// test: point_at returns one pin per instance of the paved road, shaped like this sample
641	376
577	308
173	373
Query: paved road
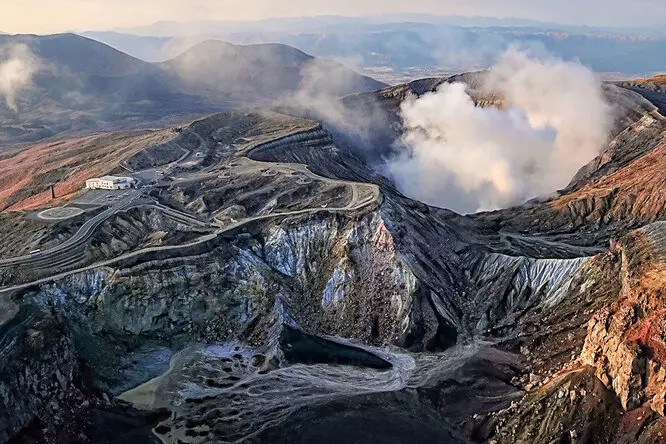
79	237
66	253
178	215
72	252
359	205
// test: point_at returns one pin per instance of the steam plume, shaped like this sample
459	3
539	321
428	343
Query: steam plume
16	72
554	119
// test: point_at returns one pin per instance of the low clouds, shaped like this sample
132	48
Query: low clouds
467	158
61	15
16	72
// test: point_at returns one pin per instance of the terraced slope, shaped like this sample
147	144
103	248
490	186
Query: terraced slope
539	323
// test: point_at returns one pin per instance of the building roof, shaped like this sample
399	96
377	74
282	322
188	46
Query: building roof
112	178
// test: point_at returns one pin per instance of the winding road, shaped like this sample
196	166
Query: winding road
352	207
82	235
69	253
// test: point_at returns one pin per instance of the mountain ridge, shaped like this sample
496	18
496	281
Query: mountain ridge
84	85
270	260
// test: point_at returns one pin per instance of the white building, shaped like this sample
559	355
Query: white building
110	183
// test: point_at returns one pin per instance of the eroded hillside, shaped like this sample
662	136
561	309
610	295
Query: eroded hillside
27	176
269	278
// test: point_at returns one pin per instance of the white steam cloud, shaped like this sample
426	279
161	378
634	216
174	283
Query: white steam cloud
554	119
16	72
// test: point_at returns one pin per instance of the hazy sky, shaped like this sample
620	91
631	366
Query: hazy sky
44	16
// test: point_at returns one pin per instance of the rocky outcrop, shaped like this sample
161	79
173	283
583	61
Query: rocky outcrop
518	284
38	369
626	341
327	274
343	275
212	295
247	332
574	408
616	365
351	279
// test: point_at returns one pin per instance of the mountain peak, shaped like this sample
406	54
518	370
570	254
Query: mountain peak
263	71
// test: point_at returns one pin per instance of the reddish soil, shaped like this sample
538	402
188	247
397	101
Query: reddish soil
659	80
635	191
26	176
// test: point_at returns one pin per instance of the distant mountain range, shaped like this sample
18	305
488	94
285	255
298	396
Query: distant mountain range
83	85
417	44
336	23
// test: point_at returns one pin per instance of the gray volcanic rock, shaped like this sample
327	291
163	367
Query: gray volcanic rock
308	268
539	323
38	370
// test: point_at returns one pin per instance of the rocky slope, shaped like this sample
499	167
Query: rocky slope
540	323
652	89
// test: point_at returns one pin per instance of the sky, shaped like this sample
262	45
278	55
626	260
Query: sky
47	16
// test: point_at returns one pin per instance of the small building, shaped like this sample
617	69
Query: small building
110	183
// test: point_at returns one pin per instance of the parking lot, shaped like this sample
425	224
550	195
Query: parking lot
146	177
103	197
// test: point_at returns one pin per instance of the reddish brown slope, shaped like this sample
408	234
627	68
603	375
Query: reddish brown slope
25	177
659	80
636	192
631	195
